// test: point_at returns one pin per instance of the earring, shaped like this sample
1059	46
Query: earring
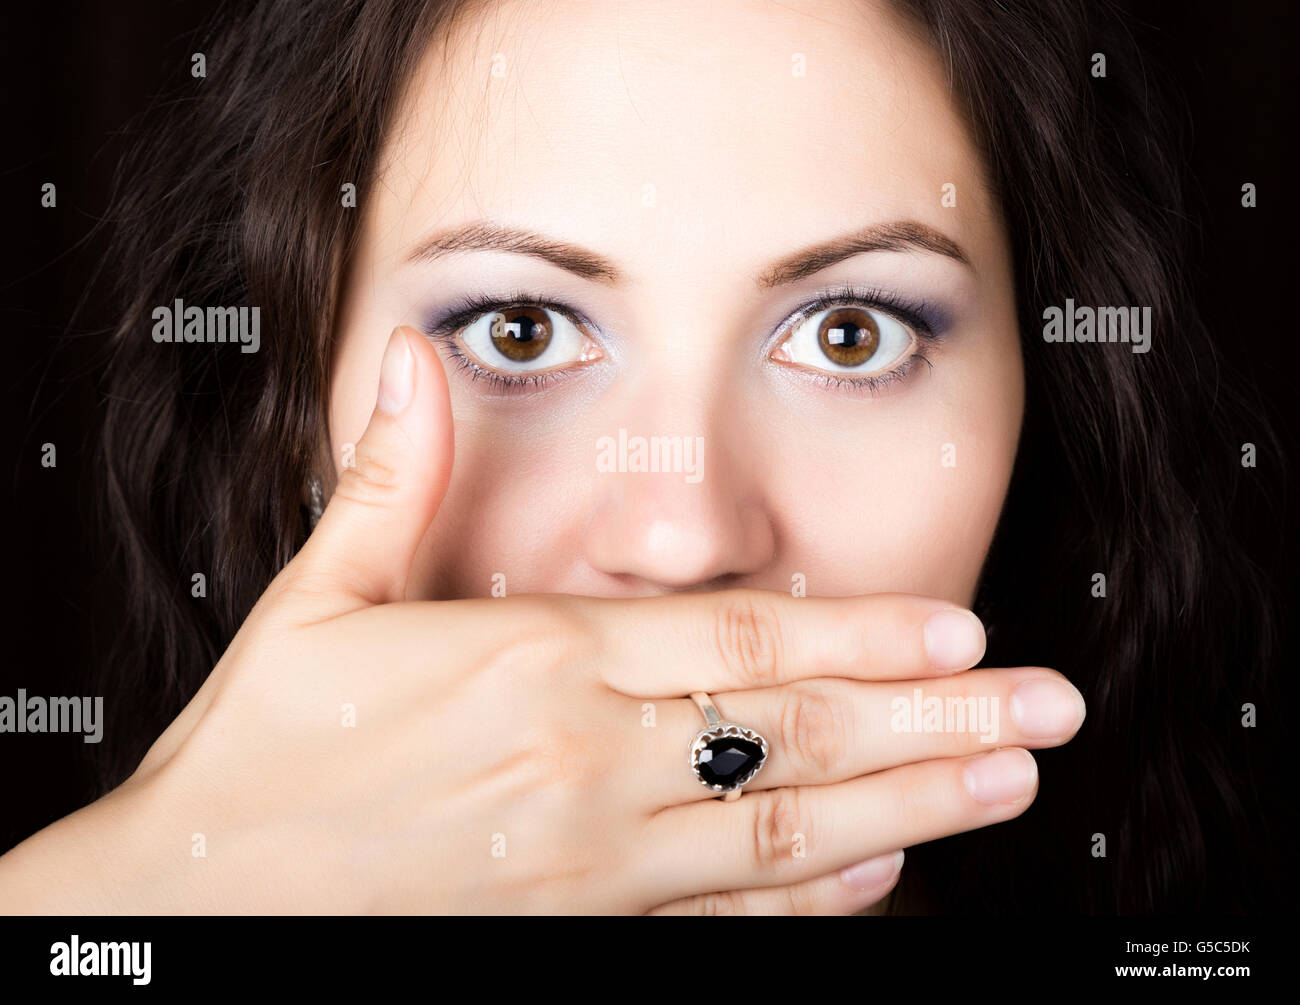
315	504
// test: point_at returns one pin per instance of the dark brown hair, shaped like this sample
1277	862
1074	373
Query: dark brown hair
1128	465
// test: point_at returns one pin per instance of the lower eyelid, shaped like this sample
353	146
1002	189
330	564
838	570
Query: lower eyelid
508	381
448	331
865	385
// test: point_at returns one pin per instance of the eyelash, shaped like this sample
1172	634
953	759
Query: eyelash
471	307
915	314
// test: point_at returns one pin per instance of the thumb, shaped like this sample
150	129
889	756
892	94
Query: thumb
367	537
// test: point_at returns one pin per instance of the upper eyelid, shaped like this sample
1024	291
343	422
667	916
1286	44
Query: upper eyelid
903	316
910	315
455	318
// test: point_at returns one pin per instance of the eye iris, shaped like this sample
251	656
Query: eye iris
848	336
521	333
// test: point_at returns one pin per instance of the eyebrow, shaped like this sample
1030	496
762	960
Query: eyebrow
484	236
905	235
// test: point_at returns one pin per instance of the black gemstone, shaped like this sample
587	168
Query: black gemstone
726	760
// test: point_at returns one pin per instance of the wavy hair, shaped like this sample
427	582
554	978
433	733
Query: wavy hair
1128	465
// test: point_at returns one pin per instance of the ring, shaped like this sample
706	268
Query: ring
724	756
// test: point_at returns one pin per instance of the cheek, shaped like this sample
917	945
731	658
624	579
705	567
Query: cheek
910	504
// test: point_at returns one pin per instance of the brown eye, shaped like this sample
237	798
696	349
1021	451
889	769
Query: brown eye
525	340
849	339
848	336
521	334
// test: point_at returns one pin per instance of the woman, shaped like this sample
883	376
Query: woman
807	257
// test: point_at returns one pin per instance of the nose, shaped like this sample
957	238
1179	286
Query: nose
677	502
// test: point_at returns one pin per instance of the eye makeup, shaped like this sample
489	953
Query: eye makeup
470	307
926	321
448	324
922	316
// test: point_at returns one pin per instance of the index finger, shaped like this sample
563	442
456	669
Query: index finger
742	639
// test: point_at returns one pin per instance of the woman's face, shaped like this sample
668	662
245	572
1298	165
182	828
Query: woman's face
686	180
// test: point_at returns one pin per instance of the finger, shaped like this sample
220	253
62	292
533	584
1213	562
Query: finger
736	640
777	837
845	892
361	551
829	730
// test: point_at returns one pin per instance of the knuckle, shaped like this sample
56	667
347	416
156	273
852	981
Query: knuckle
715	905
318	580
779	815
537	647
552	626
748	636
798	900
564	619
811	727
528	651
369	481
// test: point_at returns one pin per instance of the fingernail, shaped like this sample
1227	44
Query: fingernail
870	874
1046	707
1002	776
954	639
396	375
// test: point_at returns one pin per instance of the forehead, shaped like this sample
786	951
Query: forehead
644	125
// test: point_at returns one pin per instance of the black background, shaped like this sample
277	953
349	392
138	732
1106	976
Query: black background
77	79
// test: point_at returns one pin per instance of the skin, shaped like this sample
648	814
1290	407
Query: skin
750	165
644	587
